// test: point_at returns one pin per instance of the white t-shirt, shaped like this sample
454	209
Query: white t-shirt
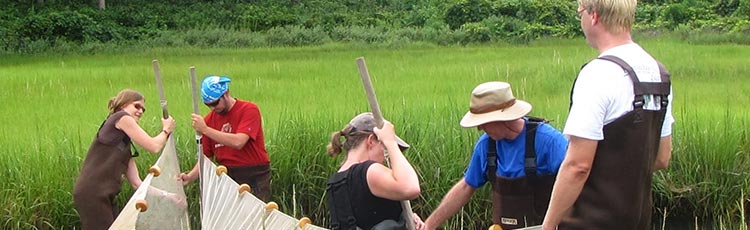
604	92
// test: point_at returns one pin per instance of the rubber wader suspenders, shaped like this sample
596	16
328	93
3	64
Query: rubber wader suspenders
342	216
643	88
530	153
517	202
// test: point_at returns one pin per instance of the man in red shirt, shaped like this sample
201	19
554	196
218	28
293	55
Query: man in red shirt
233	136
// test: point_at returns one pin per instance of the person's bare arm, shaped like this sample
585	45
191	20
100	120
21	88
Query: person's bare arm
400	182
457	197
132	174
573	174
190	176
152	144
665	153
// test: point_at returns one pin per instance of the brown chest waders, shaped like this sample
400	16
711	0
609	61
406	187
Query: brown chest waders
617	194
519	202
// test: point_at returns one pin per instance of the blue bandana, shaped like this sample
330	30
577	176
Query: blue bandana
213	87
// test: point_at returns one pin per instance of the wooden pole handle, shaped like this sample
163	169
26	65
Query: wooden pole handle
160	88
370	91
375	109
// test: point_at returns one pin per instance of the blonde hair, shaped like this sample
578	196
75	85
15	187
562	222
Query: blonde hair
617	16
351	140
123	98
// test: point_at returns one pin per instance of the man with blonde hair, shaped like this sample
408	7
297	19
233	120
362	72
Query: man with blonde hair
619	128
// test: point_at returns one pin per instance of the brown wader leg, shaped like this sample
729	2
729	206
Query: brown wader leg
258	177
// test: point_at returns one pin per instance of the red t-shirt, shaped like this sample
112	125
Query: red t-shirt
244	117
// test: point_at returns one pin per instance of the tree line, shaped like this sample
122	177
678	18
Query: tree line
31	26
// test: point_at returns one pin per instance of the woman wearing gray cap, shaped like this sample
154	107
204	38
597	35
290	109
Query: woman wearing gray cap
364	193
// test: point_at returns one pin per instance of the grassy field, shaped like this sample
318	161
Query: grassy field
53	105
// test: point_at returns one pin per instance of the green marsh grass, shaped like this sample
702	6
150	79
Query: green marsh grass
53	105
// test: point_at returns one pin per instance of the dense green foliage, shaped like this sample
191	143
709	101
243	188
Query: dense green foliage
43	25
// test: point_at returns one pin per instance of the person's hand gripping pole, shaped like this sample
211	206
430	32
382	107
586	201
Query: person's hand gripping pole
375	109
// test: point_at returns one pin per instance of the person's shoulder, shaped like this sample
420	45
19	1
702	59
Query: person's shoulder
598	73
550	131
122	120
598	66
365	168
632	53
209	115
122	116
484	140
366	164
119	114
546	126
246	104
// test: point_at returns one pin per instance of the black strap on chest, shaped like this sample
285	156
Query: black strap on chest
529	153
339	202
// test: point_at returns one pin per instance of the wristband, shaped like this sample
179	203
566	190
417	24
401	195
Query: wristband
165	132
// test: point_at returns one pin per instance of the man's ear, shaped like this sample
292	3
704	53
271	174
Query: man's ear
594	18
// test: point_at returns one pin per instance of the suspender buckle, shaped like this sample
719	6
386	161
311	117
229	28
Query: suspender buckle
638	103
664	101
530	167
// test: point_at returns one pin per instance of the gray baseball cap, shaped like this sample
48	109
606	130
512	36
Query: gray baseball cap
366	122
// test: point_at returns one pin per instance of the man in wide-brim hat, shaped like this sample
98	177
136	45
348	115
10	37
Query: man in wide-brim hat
524	156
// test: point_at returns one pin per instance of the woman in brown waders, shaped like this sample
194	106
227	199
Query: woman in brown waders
110	156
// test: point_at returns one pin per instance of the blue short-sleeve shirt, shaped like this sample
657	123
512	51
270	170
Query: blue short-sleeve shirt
550	148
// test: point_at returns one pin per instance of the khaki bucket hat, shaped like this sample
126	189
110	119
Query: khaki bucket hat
493	101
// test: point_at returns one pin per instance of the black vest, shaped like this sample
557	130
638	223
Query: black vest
352	205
